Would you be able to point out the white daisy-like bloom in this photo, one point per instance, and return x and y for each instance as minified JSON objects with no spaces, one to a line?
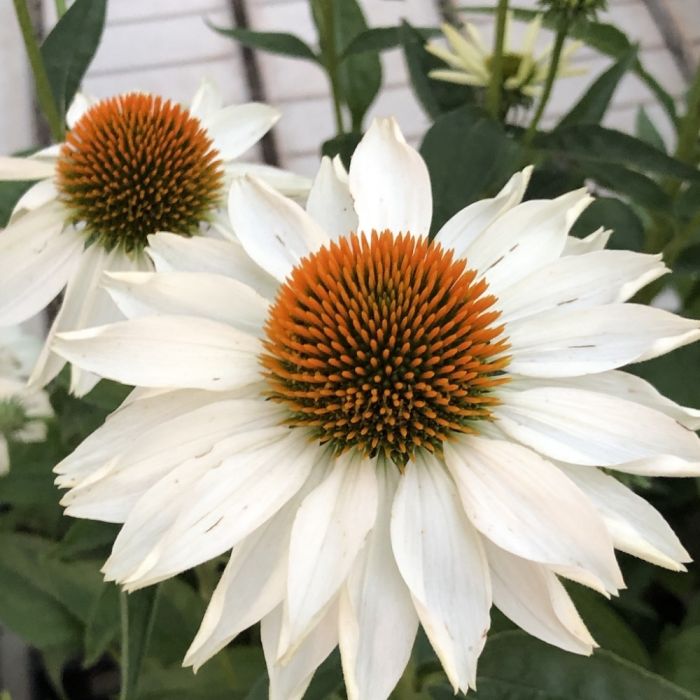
{"x":130,"y":166}
{"x":23,"y":410}
{"x":383,"y":431}
{"x":524,"y":72}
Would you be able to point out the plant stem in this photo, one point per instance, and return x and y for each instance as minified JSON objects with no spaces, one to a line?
{"x":124,"y":649}
{"x":562,"y":31}
{"x":690,"y":125}
{"x":60,"y":8}
{"x":41,"y":79}
{"x":495,"y":90}
{"x":330,"y":60}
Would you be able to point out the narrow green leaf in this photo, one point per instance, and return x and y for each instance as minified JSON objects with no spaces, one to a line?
{"x":274,"y":42}
{"x":469,"y":156}
{"x":138,"y":611}
{"x":379,"y":39}
{"x":591,"y":108}
{"x":647,"y":131}
{"x":70,"y":47}
{"x":102,"y":628}
{"x":590,"y":142}
{"x":10,"y":192}
{"x":343,"y":146}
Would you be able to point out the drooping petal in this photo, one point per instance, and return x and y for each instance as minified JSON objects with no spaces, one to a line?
{"x":237,"y":128}
{"x":173,"y":253}
{"x":442,"y":561}
{"x":38,"y":195}
{"x":569,"y":342}
{"x":275,"y":231}
{"x":472,"y":221}
{"x":38,"y":257}
{"x":528,"y":507}
{"x":25,"y":168}
{"x":377,"y":622}
{"x":586,"y":427}
{"x":284,"y":181}
{"x":532,"y":597}
{"x":635,"y":526}
{"x":579,"y":281}
{"x":201,"y":354}
{"x":330,"y":202}
{"x":290,"y":680}
{"x":330,"y":528}
{"x":389,"y":182}
{"x":200,"y":294}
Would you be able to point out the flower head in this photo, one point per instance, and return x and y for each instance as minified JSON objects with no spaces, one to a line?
{"x":524,"y":72}
{"x":130,"y":166}
{"x":441,"y":411}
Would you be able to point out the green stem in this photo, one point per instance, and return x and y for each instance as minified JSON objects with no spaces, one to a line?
{"x":495,"y":89}
{"x":124,"y":649}
{"x":330,"y":60}
{"x":562,"y":31}
{"x":60,"y":8}
{"x":690,"y":125}
{"x":41,"y":79}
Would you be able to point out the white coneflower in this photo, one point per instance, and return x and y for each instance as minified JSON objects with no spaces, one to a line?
{"x":130,"y":166}
{"x":385,"y":431}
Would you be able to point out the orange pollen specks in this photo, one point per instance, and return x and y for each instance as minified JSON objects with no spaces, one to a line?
{"x":137,"y":164}
{"x":385,"y":344}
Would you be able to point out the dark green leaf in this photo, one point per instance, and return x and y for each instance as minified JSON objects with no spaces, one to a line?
{"x":435,"y":96}
{"x":515,"y":666}
{"x":590,"y":142}
{"x":273,"y":42}
{"x":628,"y":231}
{"x":591,"y":108}
{"x":10,"y":192}
{"x":688,"y":202}
{"x":102,"y":628}
{"x":87,"y":538}
{"x":379,"y":39}
{"x":175,"y":683}
{"x":70,"y":47}
{"x":637,"y":186}
{"x":138,"y":612}
{"x":678,"y":659}
{"x":469,"y":157}
{"x":343,"y":146}
{"x":647,"y":131}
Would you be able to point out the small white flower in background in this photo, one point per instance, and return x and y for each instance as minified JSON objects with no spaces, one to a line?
{"x":524,"y":72}
{"x":131,"y":165}
{"x":383,"y":431}
{"x":23,"y":410}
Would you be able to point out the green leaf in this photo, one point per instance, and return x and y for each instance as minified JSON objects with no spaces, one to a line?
{"x":69,"y":49}
{"x":628,"y":230}
{"x":678,"y":659}
{"x":102,"y":628}
{"x":434,"y":96}
{"x":10,"y":192}
{"x":647,"y":131}
{"x":343,"y":145}
{"x":518,"y":667}
{"x":273,"y":42}
{"x":591,"y":108}
{"x":87,"y":538}
{"x":138,"y":612}
{"x":359,"y":75}
{"x":379,"y":39}
{"x":590,"y":142}
{"x":176,"y":683}
{"x":469,"y":157}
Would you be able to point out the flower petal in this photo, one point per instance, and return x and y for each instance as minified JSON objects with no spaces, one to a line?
{"x":377,"y":622}
{"x":330,"y":528}
{"x":202,"y":354}
{"x":25,"y":169}
{"x":236,"y":128}
{"x":442,"y":561}
{"x":207,"y":100}
{"x":635,"y":526}
{"x":569,"y":342}
{"x":330,"y":202}
{"x":532,"y":597}
{"x":390,"y":183}
{"x":38,"y":195}
{"x":459,"y":232}
{"x":590,"y":243}
{"x":284,"y":181}
{"x":276,"y":232}
{"x":526,"y":506}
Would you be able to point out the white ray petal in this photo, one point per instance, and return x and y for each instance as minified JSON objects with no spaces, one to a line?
{"x":389,"y":182}
{"x":38,"y":195}
{"x":532,"y":597}
{"x":207,"y":100}
{"x":275,"y":231}
{"x":568,"y":342}
{"x":284,"y":181}
{"x":330,"y":202}
{"x":25,"y":169}
{"x":635,"y":526}
{"x":442,"y":561}
{"x":590,"y":243}
{"x":329,"y":530}
{"x":528,"y":507}
{"x":237,"y":128}
{"x":202,"y":354}
{"x":377,"y":622}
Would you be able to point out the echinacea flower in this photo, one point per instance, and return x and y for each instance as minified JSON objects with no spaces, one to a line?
{"x":383,"y":430}
{"x":524,"y":72}
{"x":130,"y":166}
{"x":23,"y":410}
